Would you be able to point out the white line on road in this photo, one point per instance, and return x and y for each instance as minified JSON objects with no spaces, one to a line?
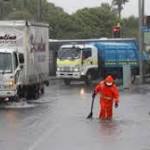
{"x":43,"y":137}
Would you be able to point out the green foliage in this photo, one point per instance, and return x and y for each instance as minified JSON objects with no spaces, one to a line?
{"x":130,"y":27}
{"x":94,"y":22}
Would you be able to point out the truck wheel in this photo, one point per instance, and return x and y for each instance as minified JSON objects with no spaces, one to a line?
{"x":14,"y":99}
{"x":36,"y":96}
{"x":19,"y":92}
{"x":133,"y":77}
{"x":88,"y":78}
{"x":67,"y":81}
{"x":42,"y":90}
{"x":26,"y":93}
{"x":46,"y":83}
{"x":36,"y":93}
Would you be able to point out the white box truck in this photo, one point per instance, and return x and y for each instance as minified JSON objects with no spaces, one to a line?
{"x":24,"y":59}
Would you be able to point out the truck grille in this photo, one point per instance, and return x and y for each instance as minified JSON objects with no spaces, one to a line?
{"x":67,"y":69}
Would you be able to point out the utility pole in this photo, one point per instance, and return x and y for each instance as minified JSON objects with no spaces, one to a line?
{"x":1,"y":9}
{"x":141,"y":38}
{"x":39,"y":3}
{"x":2,"y":2}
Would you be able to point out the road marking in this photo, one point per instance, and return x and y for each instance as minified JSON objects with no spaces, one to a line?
{"x":43,"y":138}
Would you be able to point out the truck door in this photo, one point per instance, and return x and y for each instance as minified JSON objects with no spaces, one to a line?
{"x":89,"y":61}
{"x":87,"y":57}
{"x":15,"y":66}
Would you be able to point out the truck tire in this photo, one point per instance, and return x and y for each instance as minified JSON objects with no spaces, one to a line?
{"x":88,"y":78}
{"x":36,"y":91}
{"x":46,"y":83}
{"x":31,"y":92}
{"x":20,"y":92}
{"x":133,"y":78}
{"x":67,"y":81}
{"x":14,"y":99}
{"x":26,"y":94}
{"x":42,"y":90}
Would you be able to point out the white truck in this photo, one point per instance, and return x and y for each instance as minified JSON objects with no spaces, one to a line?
{"x":24,"y":59}
{"x":72,"y":66}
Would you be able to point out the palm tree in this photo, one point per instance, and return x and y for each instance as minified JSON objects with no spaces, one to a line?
{"x":119,"y":4}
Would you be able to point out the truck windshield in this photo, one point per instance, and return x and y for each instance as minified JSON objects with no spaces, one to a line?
{"x":5,"y":63}
{"x":69,"y":53}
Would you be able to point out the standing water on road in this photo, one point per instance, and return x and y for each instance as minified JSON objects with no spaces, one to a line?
{"x":59,"y":121}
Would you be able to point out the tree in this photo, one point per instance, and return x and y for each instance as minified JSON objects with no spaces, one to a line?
{"x":119,"y":4}
{"x":130,"y":27}
{"x":95,"y":22}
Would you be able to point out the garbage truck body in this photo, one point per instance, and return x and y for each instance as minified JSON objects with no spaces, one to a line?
{"x":93,"y":59}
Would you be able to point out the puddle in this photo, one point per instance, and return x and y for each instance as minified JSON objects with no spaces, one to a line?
{"x":17,"y":105}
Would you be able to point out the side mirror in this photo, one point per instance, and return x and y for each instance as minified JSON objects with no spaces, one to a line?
{"x":21,"y":58}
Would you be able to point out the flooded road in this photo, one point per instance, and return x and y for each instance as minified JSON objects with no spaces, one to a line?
{"x":58,"y":121}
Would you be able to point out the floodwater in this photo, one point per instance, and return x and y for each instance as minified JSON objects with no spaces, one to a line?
{"x":57,"y":121}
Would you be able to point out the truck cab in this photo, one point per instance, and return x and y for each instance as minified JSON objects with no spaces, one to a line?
{"x":11,"y":64}
{"x":77,"y":62}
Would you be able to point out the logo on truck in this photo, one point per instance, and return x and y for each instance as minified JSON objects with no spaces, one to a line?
{"x":37,"y":46}
{"x":7,"y":37}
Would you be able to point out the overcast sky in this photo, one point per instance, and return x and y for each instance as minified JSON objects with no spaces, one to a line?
{"x":70,"y":6}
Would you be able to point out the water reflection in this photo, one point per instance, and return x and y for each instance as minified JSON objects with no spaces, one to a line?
{"x":82,"y":91}
{"x":110,"y":128}
{"x":11,"y":118}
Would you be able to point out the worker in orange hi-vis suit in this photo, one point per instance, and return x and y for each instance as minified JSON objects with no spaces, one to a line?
{"x":109,"y":94}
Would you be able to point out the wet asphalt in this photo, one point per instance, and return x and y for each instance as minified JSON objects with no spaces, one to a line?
{"x":57,"y":121}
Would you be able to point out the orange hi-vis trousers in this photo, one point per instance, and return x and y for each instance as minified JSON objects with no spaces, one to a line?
{"x":106,"y":109}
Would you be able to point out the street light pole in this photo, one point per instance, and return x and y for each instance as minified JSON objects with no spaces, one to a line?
{"x":2,"y":2}
{"x":141,"y":38}
{"x":39,"y":10}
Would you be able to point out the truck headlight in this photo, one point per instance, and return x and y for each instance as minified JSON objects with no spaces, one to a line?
{"x":58,"y":69}
{"x":76,"y":69}
{"x":10,"y":84}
